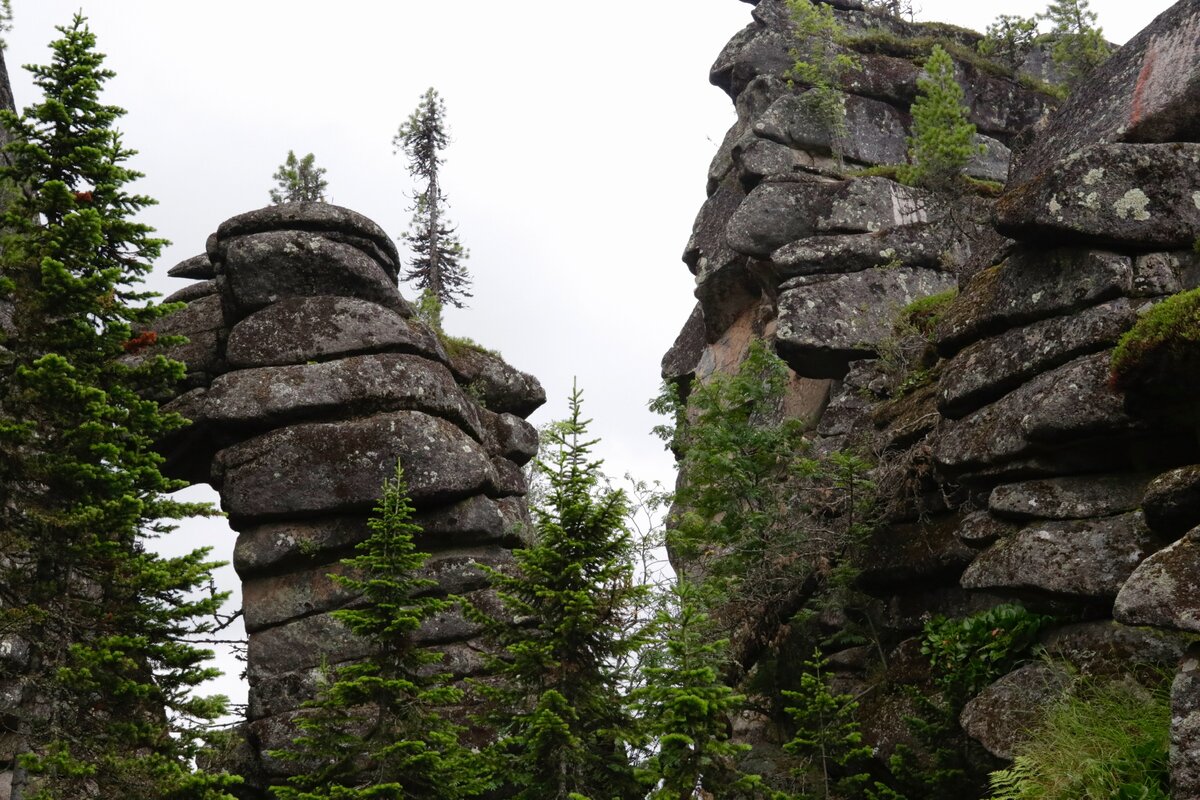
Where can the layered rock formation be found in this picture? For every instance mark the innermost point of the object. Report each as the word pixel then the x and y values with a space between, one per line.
pixel 1024 474
pixel 308 378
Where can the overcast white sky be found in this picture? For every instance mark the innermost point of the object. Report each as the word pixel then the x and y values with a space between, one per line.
pixel 582 135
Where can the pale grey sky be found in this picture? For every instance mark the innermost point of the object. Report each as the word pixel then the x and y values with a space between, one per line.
pixel 582 135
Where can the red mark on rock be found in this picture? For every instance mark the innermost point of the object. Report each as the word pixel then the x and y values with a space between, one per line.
pixel 1139 92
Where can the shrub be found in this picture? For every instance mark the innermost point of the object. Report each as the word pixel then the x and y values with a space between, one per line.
pixel 967 655
pixel 1099 742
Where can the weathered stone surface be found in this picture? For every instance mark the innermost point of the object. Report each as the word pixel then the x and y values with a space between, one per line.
pixel 316 217
pixel 193 291
pixel 513 438
pixel 1185 728
pixel 267 397
pixel 498 386
pixel 1147 92
pixel 989 165
pixel 339 466
pixel 1172 501
pixel 1104 647
pixel 474 520
pixel 725 290
pixel 679 363
pixel 1076 558
pixel 760 160
pixel 752 52
pixel 865 205
pixel 261 548
pixel 196 268
pixel 1165 589
pixel 774 214
pixel 1032 285
pixel 981 528
pixel 997 106
pixel 883 77
pixel 825 325
pixel 919 551
pixel 1078 497
pixel 275 599
pixel 263 268
pixel 304 643
pixel 1143 195
pixel 301 329
pixel 1000 717
pixel 203 323
pixel 459 571
pixel 708 232
pixel 509 481
pixel 874 131
pixel 918 245
pixel 992 367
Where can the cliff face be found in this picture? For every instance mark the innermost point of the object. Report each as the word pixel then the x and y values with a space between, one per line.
pixel 309 378
pixel 1025 475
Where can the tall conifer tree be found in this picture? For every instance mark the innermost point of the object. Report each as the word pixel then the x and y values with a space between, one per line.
pixel 437 254
pixel 374 732
pixel 561 720
pixel 105 703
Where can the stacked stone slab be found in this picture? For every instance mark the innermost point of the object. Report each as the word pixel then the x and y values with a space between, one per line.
pixel 309 378
pixel 1016 472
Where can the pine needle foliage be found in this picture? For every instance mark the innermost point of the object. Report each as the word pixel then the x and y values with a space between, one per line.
pixel 299 180
pixel 1079 45
pixel 686 706
pixel 820 62
pixel 943 139
pixel 375 731
pixel 1009 40
pixel 106 703
pixel 438 256
pixel 562 723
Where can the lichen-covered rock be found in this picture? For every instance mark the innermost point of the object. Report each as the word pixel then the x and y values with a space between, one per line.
pixel 1070 402
pixel 511 437
pixel 202 321
pixel 1164 591
pixel 991 164
pixel 918 551
pixel 874 132
pixel 1032 285
pixel 336 467
pixel 826 324
pixel 910 245
pixel 294 543
pixel 1105 647
pixel 981 528
pixel 263 268
pixel 333 222
pixel 754 51
pixel 193 291
pixel 774 214
pixel 1148 91
pixel 268 397
pixel 1142 195
pixel 1001 716
pixel 1185 728
pixel 274 599
pixel 1076 497
pixel 992 367
pixel 301 329
pixel 497 386
pixel 865 205
pixel 196 268
pixel 1172 501
pixel 679 363
pixel 1089 559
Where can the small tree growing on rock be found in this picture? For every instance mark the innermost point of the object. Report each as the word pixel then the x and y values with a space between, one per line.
pixel 437 253
pixel 943 140
pixel 819 62
pixel 1009 40
pixel 299 180
pixel 1079 45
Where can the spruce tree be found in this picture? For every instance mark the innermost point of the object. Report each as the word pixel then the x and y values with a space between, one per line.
pixel 1079 45
pixel 943 139
pixel 437 254
pixel 374 731
pixel 105 701
pixel 686 706
pixel 561 721
pixel 299 180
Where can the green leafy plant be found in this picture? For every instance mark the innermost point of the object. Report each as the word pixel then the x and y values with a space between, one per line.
pixel 1099 742
pixel 943 140
pixel 967 655
pixel 820 62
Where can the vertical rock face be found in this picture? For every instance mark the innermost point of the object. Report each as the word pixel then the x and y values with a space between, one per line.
pixel 308 378
pixel 1010 439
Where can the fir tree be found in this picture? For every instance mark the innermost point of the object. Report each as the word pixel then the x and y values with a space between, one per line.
pixel 106 704
pixel 1079 45
pixel 437 253
pixel 687 707
pixel 299 180
pixel 561 722
pixel 6 16
pixel 374 732
pixel 943 139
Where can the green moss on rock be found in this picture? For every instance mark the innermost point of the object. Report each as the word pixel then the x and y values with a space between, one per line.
pixel 1160 355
